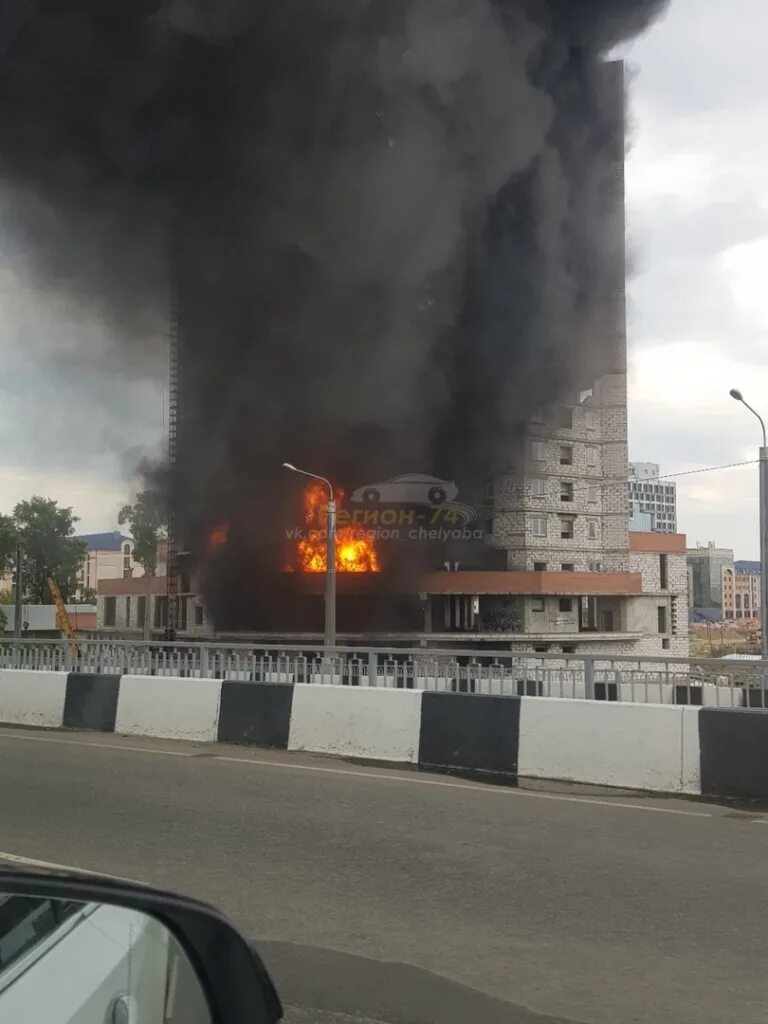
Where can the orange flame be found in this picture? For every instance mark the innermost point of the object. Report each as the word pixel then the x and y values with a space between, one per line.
pixel 217 537
pixel 355 551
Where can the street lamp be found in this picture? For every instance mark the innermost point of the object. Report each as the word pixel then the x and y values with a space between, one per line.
pixel 330 559
pixel 737 395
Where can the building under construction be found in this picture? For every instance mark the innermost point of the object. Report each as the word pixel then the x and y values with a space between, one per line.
pixel 543 558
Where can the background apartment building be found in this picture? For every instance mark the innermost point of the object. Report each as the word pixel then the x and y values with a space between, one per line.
pixel 741 590
pixel 108 556
pixel 708 565
pixel 649 496
pixel 122 605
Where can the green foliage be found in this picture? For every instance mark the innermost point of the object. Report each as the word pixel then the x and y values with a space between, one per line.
pixel 87 596
pixel 147 520
pixel 7 597
pixel 7 543
pixel 47 537
pixel 3 621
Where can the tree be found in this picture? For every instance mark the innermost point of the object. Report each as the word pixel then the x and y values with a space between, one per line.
pixel 147 521
pixel 46 533
pixel 87 596
pixel 8 542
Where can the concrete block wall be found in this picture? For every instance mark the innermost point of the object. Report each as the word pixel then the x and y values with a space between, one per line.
pixel 674 597
pixel 657 747
pixel 127 615
pixel 597 437
pixel 552 619
pixel 611 398
pixel 643 647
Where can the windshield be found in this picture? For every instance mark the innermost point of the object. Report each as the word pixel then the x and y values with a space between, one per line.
pixel 384 500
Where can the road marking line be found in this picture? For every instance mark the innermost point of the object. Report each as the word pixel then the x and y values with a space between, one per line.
pixel 404 778
pixel 15 858
pixel 99 746
pixel 487 788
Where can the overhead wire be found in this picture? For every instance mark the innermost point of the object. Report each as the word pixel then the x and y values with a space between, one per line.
pixel 708 469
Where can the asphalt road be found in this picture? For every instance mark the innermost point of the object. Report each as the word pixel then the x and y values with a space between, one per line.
pixel 392 896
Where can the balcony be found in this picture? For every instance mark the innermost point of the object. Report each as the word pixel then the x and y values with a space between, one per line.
pixel 567 584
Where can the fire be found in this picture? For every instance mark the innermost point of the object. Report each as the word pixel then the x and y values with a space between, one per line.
pixel 355 551
pixel 218 537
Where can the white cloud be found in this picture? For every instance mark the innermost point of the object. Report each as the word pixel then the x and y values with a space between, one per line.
pixel 697 197
pixel 745 268
pixel 684 176
pixel 687 378
pixel 95 499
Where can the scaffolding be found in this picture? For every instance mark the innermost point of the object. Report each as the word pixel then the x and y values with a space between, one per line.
pixel 174 410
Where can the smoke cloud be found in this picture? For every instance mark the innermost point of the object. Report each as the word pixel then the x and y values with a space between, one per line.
pixel 390 227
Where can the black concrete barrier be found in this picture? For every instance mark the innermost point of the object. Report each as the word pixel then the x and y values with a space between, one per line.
pixel 255 714
pixel 464 731
pixel 689 695
pixel 606 691
pixel 734 753
pixel 91 701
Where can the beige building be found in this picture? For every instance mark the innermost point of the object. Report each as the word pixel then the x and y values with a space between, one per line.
pixel 108 556
pixel 122 603
pixel 741 593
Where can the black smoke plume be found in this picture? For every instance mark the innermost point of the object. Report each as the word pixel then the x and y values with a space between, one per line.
pixel 389 227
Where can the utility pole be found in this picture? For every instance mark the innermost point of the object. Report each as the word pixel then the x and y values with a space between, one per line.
pixel 146 630
pixel 330 577
pixel 17 594
pixel 763 465
pixel 330 558
pixel 764 550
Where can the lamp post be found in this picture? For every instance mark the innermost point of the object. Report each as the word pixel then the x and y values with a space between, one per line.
pixel 737 395
pixel 330 559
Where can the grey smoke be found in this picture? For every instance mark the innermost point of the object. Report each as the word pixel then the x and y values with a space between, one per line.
pixel 387 222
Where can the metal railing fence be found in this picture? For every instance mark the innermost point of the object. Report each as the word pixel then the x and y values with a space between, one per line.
pixel 625 678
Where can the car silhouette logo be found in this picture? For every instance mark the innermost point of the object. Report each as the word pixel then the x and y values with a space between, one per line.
pixel 411 488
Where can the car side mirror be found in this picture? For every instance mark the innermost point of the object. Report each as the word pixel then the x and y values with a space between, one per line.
pixel 76 949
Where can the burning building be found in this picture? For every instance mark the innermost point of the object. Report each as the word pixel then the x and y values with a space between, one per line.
pixel 391 235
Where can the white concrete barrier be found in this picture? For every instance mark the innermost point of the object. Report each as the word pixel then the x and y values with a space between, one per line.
pixel 722 696
pixel 353 721
pixel 244 676
pixel 30 697
pixel 184 709
pixel 646 693
pixel 640 746
pixel 565 686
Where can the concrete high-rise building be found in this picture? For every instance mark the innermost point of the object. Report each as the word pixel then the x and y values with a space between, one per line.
pixel 648 495
pixel 576 581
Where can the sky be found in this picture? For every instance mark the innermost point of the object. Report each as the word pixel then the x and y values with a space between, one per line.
pixel 697 208
pixel 76 421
